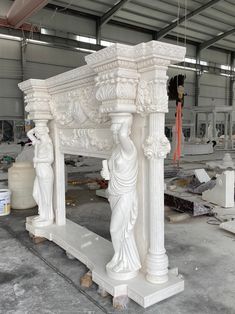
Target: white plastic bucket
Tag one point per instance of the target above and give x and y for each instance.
(5, 202)
(20, 182)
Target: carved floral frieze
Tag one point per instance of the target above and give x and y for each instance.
(78, 108)
(86, 139)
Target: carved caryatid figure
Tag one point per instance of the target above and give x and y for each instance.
(122, 173)
(43, 184)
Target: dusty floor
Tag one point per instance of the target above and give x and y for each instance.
(41, 279)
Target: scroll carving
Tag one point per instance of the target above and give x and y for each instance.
(152, 96)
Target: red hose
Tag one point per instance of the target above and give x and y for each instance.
(178, 125)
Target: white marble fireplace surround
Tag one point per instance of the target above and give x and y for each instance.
(79, 107)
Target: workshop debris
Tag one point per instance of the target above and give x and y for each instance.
(195, 186)
(201, 175)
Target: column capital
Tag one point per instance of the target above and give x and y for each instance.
(153, 59)
(37, 99)
(117, 78)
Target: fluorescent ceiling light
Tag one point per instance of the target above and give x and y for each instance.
(182, 67)
(85, 50)
(225, 67)
(190, 60)
(203, 62)
(10, 37)
(34, 41)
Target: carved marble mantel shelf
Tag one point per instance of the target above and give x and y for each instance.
(79, 106)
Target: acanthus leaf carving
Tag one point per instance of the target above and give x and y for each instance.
(113, 87)
(152, 96)
(156, 147)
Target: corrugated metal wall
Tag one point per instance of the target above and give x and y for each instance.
(41, 61)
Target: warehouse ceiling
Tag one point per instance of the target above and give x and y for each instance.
(205, 22)
(209, 23)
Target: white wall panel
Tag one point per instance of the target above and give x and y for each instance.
(10, 68)
(11, 107)
(210, 55)
(43, 71)
(61, 21)
(54, 56)
(120, 34)
(8, 88)
(10, 49)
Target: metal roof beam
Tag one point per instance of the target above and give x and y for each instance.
(22, 10)
(127, 25)
(164, 31)
(110, 13)
(214, 40)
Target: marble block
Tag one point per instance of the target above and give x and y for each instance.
(223, 192)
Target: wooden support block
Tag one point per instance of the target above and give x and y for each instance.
(86, 280)
(177, 217)
(120, 303)
(102, 292)
(70, 256)
(35, 239)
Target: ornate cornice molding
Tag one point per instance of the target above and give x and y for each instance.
(109, 54)
(159, 51)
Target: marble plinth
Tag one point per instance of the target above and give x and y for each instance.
(198, 149)
(95, 252)
(188, 203)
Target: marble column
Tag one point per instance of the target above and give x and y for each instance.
(156, 147)
(152, 100)
(226, 130)
(192, 127)
(231, 129)
(207, 124)
(214, 125)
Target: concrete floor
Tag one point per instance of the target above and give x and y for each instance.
(41, 279)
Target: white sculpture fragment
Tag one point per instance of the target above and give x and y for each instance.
(122, 175)
(43, 184)
(223, 193)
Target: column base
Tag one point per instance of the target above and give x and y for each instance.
(157, 279)
(157, 268)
